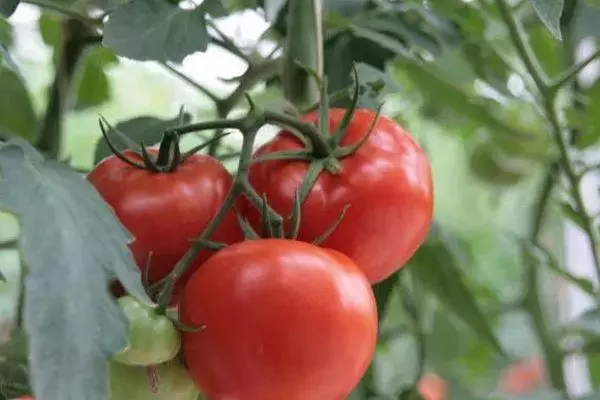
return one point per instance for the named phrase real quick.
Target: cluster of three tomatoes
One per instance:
(282, 319)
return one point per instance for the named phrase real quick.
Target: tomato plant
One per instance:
(165, 212)
(153, 339)
(387, 185)
(168, 381)
(282, 319)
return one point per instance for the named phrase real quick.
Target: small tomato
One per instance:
(153, 339)
(523, 377)
(432, 387)
(168, 381)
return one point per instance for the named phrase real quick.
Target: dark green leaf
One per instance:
(7, 7)
(17, 116)
(573, 215)
(146, 128)
(6, 33)
(436, 265)
(383, 293)
(156, 30)
(550, 12)
(381, 39)
(14, 369)
(73, 323)
(590, 129)
(94, 86)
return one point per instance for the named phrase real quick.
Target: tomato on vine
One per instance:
(386, 185)
(282, 319)
(168, 381)
(165, 205)
(153, 338)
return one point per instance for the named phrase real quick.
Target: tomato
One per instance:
(387, 183)
(165, 211)
(283, 320)
(432, 387)
(153, 339)
(169, 381)
(523, 377)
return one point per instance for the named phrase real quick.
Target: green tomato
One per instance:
(168, 381)
(153, 339)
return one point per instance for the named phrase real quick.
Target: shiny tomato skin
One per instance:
(164, 212)
(387, 183)
(283, 320)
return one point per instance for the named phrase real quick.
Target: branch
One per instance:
(65, 11)
(77, 37)
(571, 73)
(191, 82)
(518, 37)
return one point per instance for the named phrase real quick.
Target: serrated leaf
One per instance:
(94, 86)
(156, 30)
(377, 83)
(145, 128)
(570, 212)
(550, 12)
(273, 8)
(17, 116)
(7, 7)
(436, 265)
(73, 323)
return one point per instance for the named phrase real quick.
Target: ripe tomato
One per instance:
(432, 387)
(387, 183)
(168, 381)
(283, 320)
(166, 211)
(153, 338)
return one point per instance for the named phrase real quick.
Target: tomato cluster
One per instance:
(270, 318)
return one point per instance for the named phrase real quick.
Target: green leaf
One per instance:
(145, 129)
(94, 86)
(436, 265)
(7, 7)
(17, 116)
(573, 215)
(377, 84)
(381, 39)
(591, 127)
(550, 12)
(395, 365)
(588, 322)
(73, 323)
(157, 30)
(14, 368)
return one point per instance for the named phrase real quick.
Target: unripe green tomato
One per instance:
(168, 381)
(153, 339)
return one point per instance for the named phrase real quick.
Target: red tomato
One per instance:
(283, 320)
(387, 183)
(523, 377)
(432, 387)
(166, 211)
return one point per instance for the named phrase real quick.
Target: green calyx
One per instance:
(168, 158)
(152, 338)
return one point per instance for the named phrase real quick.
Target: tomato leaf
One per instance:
(550, 12)
(145, 128)
(436, 265)
(273, 8)
(7, 7)
(14, 368)
(94, 86)
(72, 322)
(158, 30)
(17, 116)
(570, 212)
(377, 84)
(591, 126)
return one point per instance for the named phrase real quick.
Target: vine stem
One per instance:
(317, 6)
(67, 12)
(240, 185)
(548, 93)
